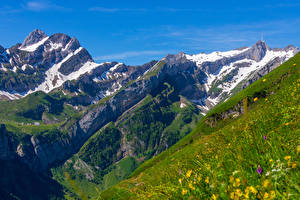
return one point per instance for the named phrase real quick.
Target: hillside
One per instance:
(116, 150)
(232, 154)
(74, 122)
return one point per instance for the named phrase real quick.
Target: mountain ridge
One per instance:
(78, 62)
(62, 103)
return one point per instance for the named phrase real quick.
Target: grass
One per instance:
(122, 169)
(248, 157)
(31, 108)
(101, 152)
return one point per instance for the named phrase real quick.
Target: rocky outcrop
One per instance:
(26, 63)
(42, 152)
(124, 85)
(34, 37)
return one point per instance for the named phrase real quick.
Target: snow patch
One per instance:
(33, 47)
(54, 46)
(55, 79)
(115, 67)
(211, 57)
(10, 96)
(25, 66)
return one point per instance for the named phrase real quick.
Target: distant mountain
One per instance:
(231, 154)
(63, 112)
(44, 63)
(218, 75)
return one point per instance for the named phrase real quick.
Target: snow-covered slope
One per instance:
(44, 63)
(235, 68)
(34, 46)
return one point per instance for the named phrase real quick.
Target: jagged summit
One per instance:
(258, 50)
(48, 62)
(34, 37)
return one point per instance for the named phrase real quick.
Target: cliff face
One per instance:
(7, 146)
(204, 79)
(40, 154)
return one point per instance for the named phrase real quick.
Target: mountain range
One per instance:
(61, 112)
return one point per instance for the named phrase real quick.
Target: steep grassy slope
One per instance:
(247, 147)
(115, 151)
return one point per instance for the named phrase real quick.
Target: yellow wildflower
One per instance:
(255, 99)
(266, 183)
(207, 180)
(191, 186)
(184, 191)
(298, 149)
(189, 173)
(217, 156)
(214, 197)
(231, 179)
(237, 182)
(199, 178)
(238, 192)
(271, 160)
(272, 194)
(294, 165)
(264, 80)
(287, 157)
(232, 195)
(266, 195)
(294, 64)
(247, 190)
(180, 180)
(252, 190)
(246, 196)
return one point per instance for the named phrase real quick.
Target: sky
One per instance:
(138, 31)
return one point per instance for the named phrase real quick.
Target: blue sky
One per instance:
(137, 31)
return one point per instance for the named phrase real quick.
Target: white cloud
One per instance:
(38, 6)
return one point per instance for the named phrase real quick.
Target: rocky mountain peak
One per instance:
(261, 44)
(34, 37)
(64, 41)
(173, 59)
(258, 51)
(291, 47)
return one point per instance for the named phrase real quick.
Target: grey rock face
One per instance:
(185, 75)
(56, 48)
(257, 51)
(75, 62)
(34, 37)
(102, 80)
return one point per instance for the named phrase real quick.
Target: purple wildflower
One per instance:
(259, 169)
(179, 171)
(265, 137)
